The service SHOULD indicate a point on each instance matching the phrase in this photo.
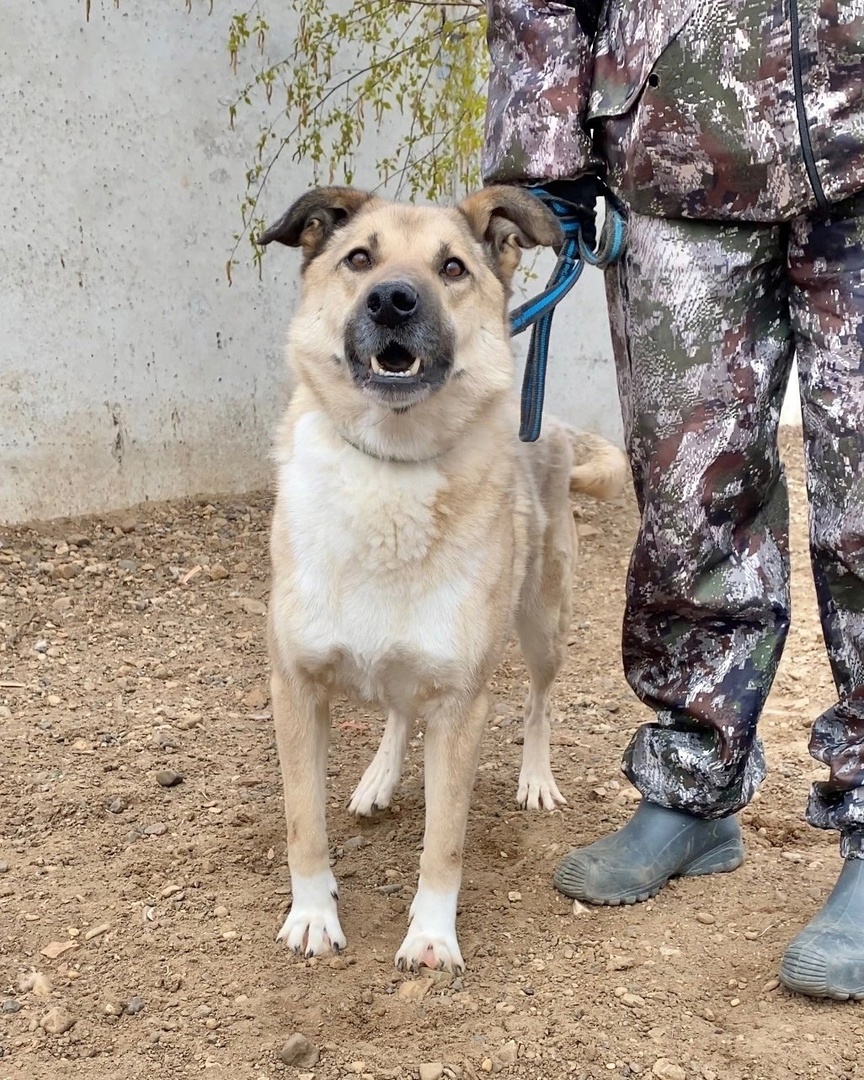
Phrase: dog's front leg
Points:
(452, 742)
(302, 718)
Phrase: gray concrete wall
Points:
(129, 370)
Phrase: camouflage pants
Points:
(706, 318)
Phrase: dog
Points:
(411, 529)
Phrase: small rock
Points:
(57, 1021)
(486, 1065)
(298, 1051)
(354, 843)
(117, 805)
(4, 868)
(579, 909)
(632, 1001)
(705, 918)
(668, 1070)
(507, 1054)
(10, 1006)
(255, 699)
(772, 984)
(158, 828)
(252, 607)
(97, 931)
(432, 1070)
(221, 912)
(41, 647)
(55, 949)
(202, 1011)
(218, 572)
(415, 989)
(167, 778)
(41, 985)
(514, 897)
(134, 1007)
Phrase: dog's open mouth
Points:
(395, 363)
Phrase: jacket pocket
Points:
(630, 40)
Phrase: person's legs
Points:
(702, 340)
(826, 265)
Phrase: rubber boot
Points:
(657, 844)
(827, 957)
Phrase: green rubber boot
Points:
(827, 957)
(657, 844)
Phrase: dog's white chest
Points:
(377, 594)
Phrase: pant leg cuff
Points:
(683, 770)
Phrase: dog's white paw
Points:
(431, 938)
(312, 927)
(538, 790)
(375, 790)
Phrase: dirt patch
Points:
(142, 852)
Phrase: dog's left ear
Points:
(313, 219)
(507, 219)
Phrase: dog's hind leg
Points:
(543, 624)
(381, 779)
(452, 747)
(302, 719)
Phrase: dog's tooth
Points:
(376, 367)
(415, 367)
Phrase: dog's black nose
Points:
(392, 303)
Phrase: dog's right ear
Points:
(507, 219)
(313, 219)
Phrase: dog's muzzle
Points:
(398, 343)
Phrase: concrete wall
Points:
(129, 370)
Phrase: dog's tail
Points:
(600, 469)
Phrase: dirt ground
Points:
(131, 655)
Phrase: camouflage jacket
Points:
(725, 109)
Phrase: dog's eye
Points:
(359, 259)
(454, 269)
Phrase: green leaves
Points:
(347, 74)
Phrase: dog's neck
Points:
(391, 459)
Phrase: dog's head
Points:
(401, 303)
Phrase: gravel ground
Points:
(142, 851)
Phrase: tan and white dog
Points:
(412, 530)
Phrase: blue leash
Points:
(537, 313)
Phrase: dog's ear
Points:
(313, 219)
(507, 219)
